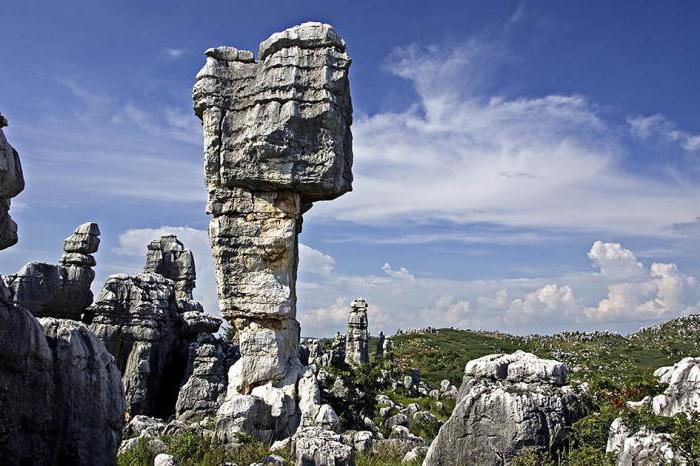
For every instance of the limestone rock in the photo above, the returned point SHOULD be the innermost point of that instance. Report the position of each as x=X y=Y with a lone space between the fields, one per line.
x=316 y=446
x=416 y=454
x=164 y=459
x=62 y=398
x=63 y=290
x=357 y=337
x=207 y=378
x=168 y=257
x=137 y=319
x=683 y=392
x=276 y=139
x=11 y=184
x=504 y=409
x=646 y=448
x=380 y=345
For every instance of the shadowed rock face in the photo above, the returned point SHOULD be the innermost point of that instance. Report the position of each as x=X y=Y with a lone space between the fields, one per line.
x=11 y=184
x=63 y=290
x=148 y=323
x=276 y=139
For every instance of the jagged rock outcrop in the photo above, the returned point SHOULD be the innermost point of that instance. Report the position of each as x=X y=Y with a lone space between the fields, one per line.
x=148 y=322
x=62 y=399
x=338 y=350
x=357 y=337
x=682 y=396
x=207 y=378
x=276 y=139
x=11 y=184
x=168 y=257
x=63 y=290
x=683 y=392
x=137 y=319
x=508 y=403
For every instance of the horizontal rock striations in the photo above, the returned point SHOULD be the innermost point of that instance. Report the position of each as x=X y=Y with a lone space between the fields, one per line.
x=63 y=290
x=276 y=139
x=357 y=337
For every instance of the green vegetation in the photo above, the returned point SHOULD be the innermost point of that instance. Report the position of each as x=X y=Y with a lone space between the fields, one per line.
x=193 y=449
x=618 y=369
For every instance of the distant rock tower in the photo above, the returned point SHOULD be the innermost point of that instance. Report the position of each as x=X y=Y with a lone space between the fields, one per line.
x=380 y=345
x=357 y=338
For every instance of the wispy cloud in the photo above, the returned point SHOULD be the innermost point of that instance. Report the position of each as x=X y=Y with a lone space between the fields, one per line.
x=660 y=126
x=464 y=154
x=175 y=53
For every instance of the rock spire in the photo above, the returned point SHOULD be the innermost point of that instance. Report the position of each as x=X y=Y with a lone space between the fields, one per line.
x=276 y=139
x=357 y=337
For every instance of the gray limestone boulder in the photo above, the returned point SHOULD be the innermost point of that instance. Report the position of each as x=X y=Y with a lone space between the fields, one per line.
x=315 y=446
x=504 y=410
x=357 y=337
x=207 y=378
x=138 y=321
x=62 y=400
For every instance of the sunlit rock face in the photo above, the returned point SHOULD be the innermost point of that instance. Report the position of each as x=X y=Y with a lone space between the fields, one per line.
x=11 y=184
x=276 y=139
x=357 y=338
x=507 y=402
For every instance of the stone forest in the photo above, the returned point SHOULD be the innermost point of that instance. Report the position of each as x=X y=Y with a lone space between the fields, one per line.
x=142 y=374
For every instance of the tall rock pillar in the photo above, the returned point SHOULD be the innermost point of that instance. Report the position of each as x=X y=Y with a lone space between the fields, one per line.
x=276 y=139
x=357 y=338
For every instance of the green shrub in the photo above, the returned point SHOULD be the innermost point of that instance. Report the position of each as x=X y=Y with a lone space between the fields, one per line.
x=138 y=456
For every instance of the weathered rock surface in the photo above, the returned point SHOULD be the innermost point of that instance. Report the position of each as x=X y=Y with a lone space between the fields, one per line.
x=315 y=446
x=62 y=397
x=276 y=139
x=63 y=290
x=683 y=392
x=682 y=396
x=357 y=337
x=11 y=184
x=168 y=257
x=148 y=322
x=207 y=378
x=509 y=402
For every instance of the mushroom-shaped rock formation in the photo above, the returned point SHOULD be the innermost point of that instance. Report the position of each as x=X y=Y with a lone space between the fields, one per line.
x=63 y=290
x=509 y=402
x=357 y=337
x=276 y=139
x=148 y=323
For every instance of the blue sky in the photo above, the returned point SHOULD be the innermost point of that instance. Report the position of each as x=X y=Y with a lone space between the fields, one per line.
x=521 y=166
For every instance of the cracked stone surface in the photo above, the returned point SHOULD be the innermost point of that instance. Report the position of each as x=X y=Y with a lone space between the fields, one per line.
x=357 y=337
x=508 y=403
x=276 y=139
x=148 y=322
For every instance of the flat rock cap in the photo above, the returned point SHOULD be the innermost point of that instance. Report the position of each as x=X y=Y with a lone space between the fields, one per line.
x=306 y=35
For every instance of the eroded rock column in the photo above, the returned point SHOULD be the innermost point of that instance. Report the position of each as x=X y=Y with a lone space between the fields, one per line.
x=276 y=139
x=357 y=338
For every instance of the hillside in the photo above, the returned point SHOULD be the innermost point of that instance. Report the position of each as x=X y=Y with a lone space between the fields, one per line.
x=444 y=353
